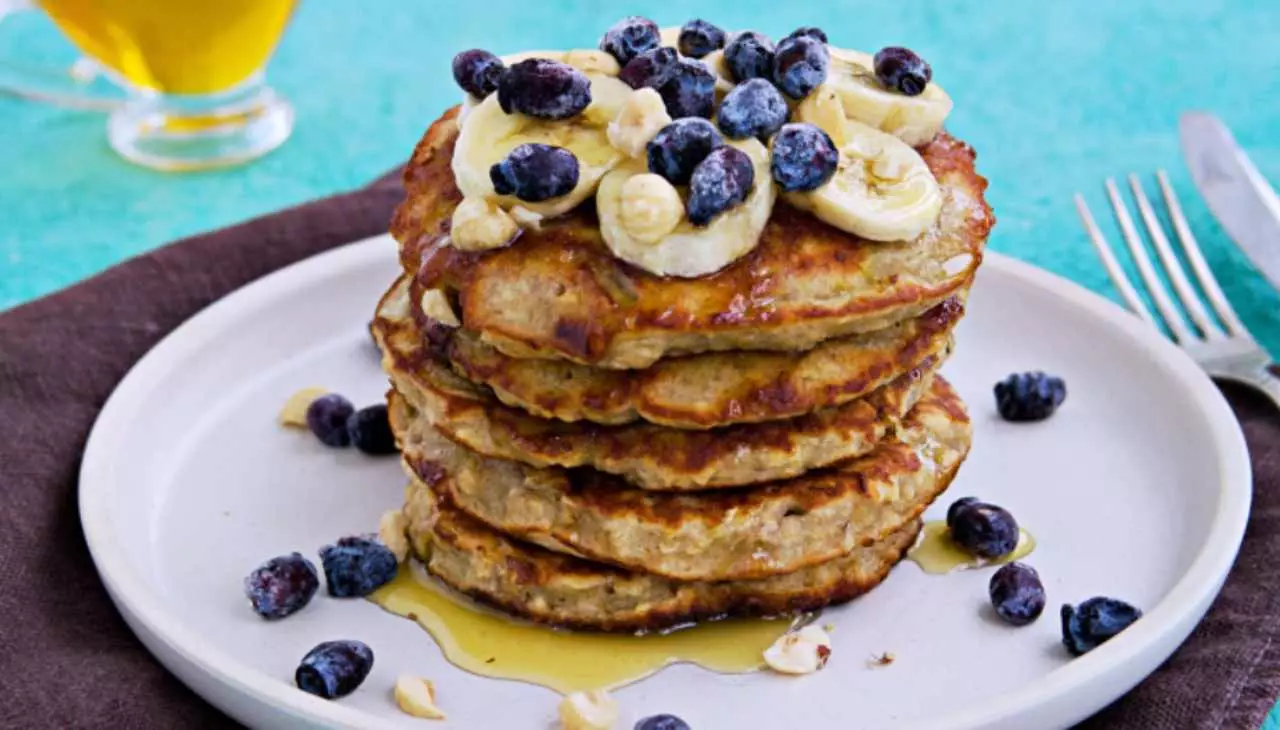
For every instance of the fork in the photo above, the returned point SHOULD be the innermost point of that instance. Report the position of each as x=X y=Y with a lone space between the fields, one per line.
x=1231 y=355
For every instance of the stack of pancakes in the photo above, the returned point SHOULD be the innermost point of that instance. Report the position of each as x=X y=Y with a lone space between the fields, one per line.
x=596 y=447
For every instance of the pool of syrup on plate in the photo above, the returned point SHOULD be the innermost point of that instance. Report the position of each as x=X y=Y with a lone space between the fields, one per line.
x=935 y=552
x=485 y=642
x=490 y=644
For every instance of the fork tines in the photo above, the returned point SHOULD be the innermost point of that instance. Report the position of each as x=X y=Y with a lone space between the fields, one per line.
x=1191 y=302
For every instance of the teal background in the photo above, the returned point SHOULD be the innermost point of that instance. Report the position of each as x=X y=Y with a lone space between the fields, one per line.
x=1055 y=96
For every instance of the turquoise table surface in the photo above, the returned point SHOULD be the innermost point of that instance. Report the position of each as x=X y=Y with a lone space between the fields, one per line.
x=1055 y=96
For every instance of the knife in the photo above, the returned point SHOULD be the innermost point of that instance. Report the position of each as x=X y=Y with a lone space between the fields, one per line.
x=1240 y=198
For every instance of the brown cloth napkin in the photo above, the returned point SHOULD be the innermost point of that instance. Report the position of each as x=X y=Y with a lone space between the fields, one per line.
x=67 y=660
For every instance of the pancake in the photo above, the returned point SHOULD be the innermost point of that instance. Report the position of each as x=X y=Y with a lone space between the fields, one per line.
x=565 y=591
x=647 y=455
x=750 y=533
x=558 y=292
x=700 y=391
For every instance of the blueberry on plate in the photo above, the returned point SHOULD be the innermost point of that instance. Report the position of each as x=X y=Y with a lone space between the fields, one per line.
x=800 y=65
x=545 y=89
x=984 y=529
x=691 y=90
x=750 y=56
x=698 y=38
x=678 y=148
x=1094 y=622
x=357 y=566
x=477 y=72
x=630 y=37
x=804 y=157
x=662 y=722
x=721 y=181
x=370 y=431
x=650 y=69
x=327 y=418
x=955 y=508
x=1029 y=396
x=902 y=70
x=754 y=108
x=810 y=31
x=1017 y=594
x=334 y=669
x=535 y=172
x=282 y=586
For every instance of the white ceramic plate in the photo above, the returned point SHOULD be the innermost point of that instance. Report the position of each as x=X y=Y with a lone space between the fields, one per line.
x=1139 y=488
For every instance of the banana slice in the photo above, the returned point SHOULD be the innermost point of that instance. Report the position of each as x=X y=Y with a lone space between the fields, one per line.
x=882 y=189
x=489 y=134
x=687 y=250
x=915 y=120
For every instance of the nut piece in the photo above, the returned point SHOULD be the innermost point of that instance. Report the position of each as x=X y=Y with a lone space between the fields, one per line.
x=799 y=652
x=594 y=710
x=526 y=218
x=642 y=115
x=417 y=697
x=391 y=531
x=824 y=110
x=294 y=412
x=436 y=306
x=715 y=61
x=650 y=207
x=479 y=225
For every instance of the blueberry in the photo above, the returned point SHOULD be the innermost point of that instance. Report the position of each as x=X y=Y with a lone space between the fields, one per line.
x=984 y=529
x=902 y=70
x=720 y=182
x=691 y=90
x=678 y=148
x=535 y=172
x=755 y=108
x=1017 y=594
x=800 y=65
x=698 y=38
x=630 y=37
x=750 y=56
x=477 y=72
x=810 y=31
x=545 y=89
x=804 y=157
x=1094 y=622
x=1029 y=396
x=334 y=669
x=955 y=508
x=327 y=418
x=370 y=431
x=662 y=722
x=650 y=69
x=357 y=566
x=282 y=586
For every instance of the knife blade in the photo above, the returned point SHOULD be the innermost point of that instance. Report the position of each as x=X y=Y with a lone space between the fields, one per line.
x=1238 y=195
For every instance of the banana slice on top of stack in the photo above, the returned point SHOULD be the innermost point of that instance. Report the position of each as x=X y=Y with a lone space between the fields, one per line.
x=644 y=227
x=488 y=134
x=915 y=120
x=882 y=189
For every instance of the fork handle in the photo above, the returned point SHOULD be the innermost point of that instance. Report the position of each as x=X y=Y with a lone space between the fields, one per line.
x=1266 y=382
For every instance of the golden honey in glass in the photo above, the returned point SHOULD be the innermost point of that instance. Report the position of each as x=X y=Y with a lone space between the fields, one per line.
x=193 y=73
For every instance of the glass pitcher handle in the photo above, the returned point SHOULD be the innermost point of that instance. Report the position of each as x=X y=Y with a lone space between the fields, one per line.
x=60 y=87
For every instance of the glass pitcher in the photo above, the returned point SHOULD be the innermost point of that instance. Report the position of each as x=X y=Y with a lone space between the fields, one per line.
x=195 y=94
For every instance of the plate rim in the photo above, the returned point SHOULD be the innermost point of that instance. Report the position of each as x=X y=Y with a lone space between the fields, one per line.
x=1175 y=616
